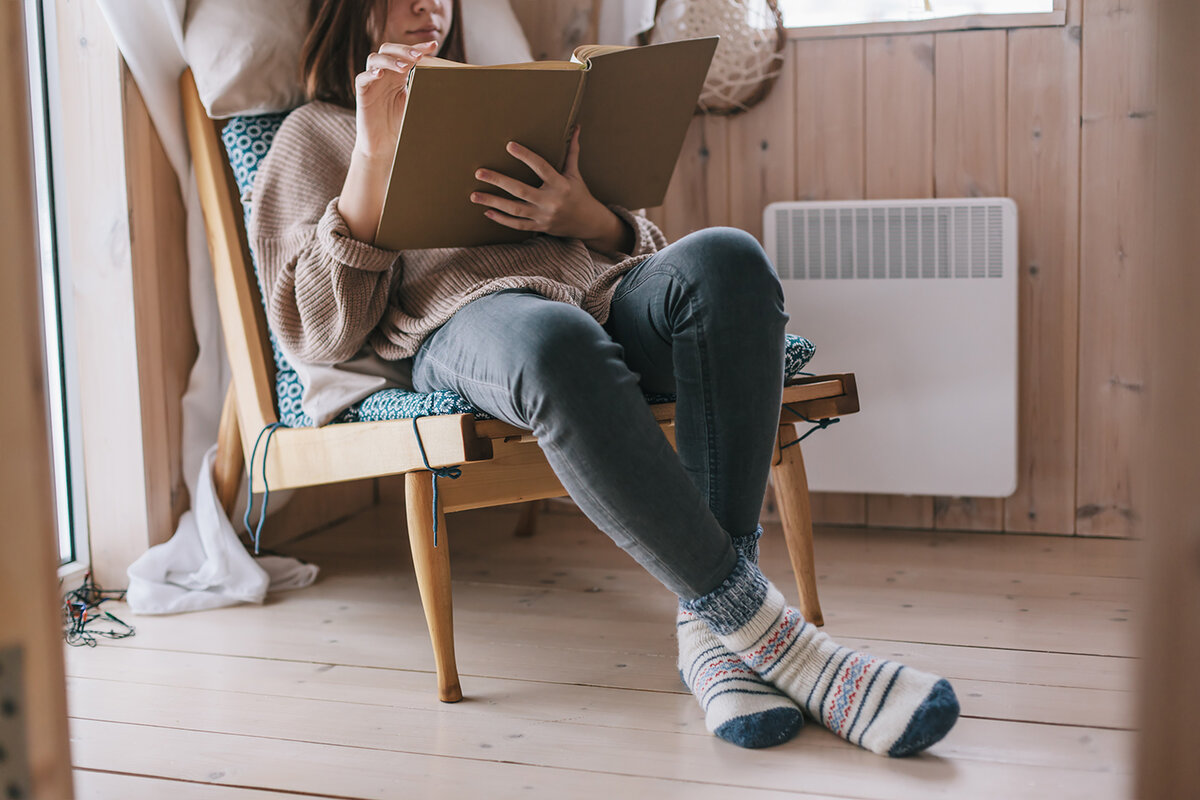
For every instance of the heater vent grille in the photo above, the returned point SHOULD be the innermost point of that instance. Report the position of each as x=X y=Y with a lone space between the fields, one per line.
x=897 y=242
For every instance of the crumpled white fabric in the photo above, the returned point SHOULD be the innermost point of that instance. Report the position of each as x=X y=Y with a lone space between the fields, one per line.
x=205 y=564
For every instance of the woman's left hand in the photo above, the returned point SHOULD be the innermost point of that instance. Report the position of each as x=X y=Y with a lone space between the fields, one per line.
x=561 y=206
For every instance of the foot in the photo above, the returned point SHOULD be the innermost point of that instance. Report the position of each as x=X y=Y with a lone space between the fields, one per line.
x=739 y=706
x=878 y=704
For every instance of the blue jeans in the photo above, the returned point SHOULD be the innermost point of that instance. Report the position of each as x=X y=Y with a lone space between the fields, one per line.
x=702 y=319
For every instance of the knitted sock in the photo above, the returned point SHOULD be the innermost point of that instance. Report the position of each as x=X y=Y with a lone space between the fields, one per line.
x=877 y=704
x=739 y=706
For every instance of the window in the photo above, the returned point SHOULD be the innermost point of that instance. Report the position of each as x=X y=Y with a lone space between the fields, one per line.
x=56 y=300
x=815 y=13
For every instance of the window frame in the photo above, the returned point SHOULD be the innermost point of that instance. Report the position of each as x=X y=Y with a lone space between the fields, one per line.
x=966 y=22
x=57 y=310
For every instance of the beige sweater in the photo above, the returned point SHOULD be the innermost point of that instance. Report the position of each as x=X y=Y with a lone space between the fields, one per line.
x=328 y=294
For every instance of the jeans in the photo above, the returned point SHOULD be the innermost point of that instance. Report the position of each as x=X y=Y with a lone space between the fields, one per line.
x=702 y=319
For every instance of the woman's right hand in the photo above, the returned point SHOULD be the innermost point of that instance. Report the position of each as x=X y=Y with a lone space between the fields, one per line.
x=381 y=95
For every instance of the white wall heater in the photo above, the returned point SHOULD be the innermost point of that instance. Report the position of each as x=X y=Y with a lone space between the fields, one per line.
x=918 y=298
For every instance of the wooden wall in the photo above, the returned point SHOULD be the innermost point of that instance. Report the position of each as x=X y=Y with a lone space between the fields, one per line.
x=1059 y=118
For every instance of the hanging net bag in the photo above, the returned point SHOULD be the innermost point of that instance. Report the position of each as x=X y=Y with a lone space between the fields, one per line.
x=749 y=57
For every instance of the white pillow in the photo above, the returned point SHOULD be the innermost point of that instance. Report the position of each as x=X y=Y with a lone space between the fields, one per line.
x=245 y=56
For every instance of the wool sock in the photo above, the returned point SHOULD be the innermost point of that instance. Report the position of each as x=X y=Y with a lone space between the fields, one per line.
x=877 y=704
x=739 y=706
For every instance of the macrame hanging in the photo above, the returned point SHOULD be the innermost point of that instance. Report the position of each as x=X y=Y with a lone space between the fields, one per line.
x=749 y=57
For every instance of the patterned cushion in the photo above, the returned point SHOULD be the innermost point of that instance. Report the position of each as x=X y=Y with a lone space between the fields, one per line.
x=247 y=140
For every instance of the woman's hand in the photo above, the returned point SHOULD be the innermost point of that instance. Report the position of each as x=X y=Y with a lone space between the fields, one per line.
x=381 y=95
x=561 y=206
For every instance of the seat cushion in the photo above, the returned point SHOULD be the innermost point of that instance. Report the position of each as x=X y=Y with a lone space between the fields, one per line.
x=247 y=140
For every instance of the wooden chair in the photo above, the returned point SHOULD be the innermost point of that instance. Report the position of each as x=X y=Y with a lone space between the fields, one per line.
x=500 y=463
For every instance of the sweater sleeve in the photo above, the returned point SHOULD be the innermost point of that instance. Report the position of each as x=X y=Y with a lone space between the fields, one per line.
x=325 y=291
x=647 y=238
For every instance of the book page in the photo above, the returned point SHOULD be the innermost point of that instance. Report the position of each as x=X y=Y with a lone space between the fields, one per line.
x=440 y=63
x=586 y=51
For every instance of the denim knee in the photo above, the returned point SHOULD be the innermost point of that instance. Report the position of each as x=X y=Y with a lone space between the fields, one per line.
x=728 y=263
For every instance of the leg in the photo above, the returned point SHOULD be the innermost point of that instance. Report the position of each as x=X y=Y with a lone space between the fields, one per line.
x=791 y=492
x=229 y=462
x=527 y=524
x=551 y=368
x=432 y=567
x=703 y=319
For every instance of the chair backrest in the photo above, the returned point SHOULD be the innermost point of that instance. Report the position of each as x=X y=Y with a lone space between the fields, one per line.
x=243 y=321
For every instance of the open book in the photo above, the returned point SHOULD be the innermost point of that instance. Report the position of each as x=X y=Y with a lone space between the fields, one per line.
x=633 y=106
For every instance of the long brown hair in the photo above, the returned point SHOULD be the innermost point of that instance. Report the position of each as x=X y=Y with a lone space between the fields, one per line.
x=341 y=34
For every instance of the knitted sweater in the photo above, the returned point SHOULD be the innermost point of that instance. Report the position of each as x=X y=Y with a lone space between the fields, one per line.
x=328 y=294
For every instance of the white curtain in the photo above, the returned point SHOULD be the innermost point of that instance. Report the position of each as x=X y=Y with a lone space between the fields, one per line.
x=622 y=20
x=204 y=565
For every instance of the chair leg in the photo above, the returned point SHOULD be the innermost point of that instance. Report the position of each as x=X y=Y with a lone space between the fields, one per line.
x=432 y=565
x=791 y=494
x=527 y=524
x=229 y=464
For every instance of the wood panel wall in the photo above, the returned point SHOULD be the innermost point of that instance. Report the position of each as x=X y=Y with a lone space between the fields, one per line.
x=1024 y=113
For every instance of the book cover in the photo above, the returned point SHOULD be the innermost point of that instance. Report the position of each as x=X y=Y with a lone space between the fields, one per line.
x=633 y=106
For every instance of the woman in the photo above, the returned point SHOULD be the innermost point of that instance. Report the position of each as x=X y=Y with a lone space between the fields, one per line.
x=560 y=334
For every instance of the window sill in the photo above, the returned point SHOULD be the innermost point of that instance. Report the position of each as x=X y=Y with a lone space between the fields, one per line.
x=70 y=576
x=968 y=22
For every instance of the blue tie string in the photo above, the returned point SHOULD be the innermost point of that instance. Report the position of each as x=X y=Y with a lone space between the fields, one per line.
x=269 y=431
x=444 y=472
x=817 y=425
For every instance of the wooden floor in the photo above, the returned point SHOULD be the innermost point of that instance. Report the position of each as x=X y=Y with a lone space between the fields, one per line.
x=567 y=655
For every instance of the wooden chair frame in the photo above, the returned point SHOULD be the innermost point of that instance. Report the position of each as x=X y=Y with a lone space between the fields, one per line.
x=500 y=463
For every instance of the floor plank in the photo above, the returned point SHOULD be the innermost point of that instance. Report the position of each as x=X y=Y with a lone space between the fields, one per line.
x=99 y=785
x=357 y=772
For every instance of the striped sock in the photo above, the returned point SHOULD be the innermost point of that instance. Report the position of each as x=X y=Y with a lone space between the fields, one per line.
x=739 y=706
x=875 y=703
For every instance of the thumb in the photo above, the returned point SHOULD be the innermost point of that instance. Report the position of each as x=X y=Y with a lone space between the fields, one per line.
x=572 y=166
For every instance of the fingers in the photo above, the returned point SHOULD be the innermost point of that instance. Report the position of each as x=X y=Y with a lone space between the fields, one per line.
x=378 y=62
x=392 y=59
x=512 y=208
x=508 y=221
x=409 y=53
x=541 y=167
x=513 y=186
